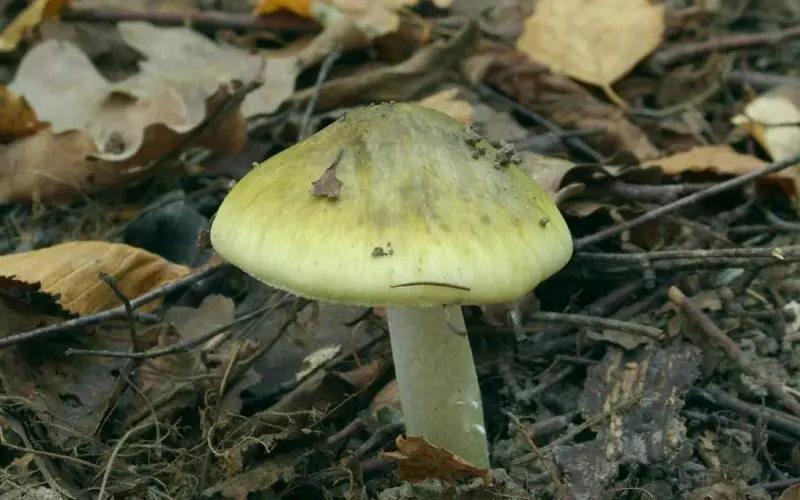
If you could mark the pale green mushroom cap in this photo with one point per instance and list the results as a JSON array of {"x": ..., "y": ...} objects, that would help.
[{"x": 421, "y": 218}]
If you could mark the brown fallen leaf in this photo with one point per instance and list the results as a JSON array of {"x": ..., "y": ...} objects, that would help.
[
  {"x": 548, "y": 172},
  {"x": 402, "y": 82},
  {"x": 418, "y": 460},
  {"x": 722, "y": 159},
  {"x": 102, "y": 134},
  {"x": 595, "y": 41},
  {"x": 36, "y": 12},
  {"x": 17, "y": 119},
  {"x": 171, "y": 379},
  {"x": 447, "y": 102},
  {"x": 570, "y": 105},
  {"x": 328, "y": 185},
  {"x": 69, "y": 272}
]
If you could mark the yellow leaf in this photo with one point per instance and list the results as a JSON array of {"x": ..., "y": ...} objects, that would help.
[
  {"x": 70, "y": 272},
  {"x": 446, "y": 102},
  {"x": 722, "y": 159},
  {"x": 595, "y": 41},
  {"x": 300, "y": 7},
  {"x": 17, "y": 119},
  {"x": 36, "y": 12}
]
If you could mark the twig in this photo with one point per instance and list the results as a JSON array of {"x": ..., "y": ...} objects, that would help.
[
  {"x": 763, "y": 252},
  {"x": 731, "y": 348},
  {"x": 688, "y": 200},
  {"x": 674, "y": 53},
  {"x": 718, "y": 397},
  {"x": 324, "y": 71},
  {"x": 177, "y": 347},
  {"x": 593, "y": 322},
  {"x": 111, "y": 314},
  {"x": 126, "y": 303},
  {"x": 202, "y": 19},
  {"x": 574, "y": 142},
  {"x": 111, "y": 459},
  {"x": 562, "y": 491}
]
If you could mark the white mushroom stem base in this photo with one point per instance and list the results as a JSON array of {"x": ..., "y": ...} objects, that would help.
[{"x": 436, "y": 377}]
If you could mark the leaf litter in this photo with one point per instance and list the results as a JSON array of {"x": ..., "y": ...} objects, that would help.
[{"x": 660, "y": 363}]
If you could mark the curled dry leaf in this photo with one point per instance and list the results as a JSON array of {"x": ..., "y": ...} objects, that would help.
[
  {"x": 103, "y": 134},
  {"x": 36, "y": 12},
  {"x": 403, "y": 82},
  {"x": 69, "y": 272},
  {"x": 418, "y": 460},
  {"x": 773, "y": 119},
  {"x": 548, "y": 172},
  {"x": 447, "y": 102},
  {"x": 596, "y": 41},
  {"x": 722, "y": 159}
]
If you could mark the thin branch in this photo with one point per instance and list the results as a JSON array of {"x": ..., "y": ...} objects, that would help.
[
  {"x": 763, "y": 252},
  {"x": 677, "y": 52},
  {"x": 324, "y": 71},
  {"x": 126, "y": 303},
  {"x": 202, "y": 19},
  {"x": 593, "y": 322},
  {"x": 683, "y": 202},
  {"x": 177, "y": 347},
  {"x": 731, "y": 348},
  {"x": 111, "y": 314}
]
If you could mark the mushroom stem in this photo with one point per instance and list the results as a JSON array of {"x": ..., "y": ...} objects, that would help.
[{"x": 438, "y": 384}]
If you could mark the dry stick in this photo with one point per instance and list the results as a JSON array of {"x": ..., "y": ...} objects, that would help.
[
  {"x": 591, "y": 321},
  {"x": 489, "y": 93},
  {"x": 675, "y": 53},
  {"x": 181, "y": 346},
  {"x": 126, "y": 303},
  {"x": 203, "y": 19},
  {"x": 762, "y": 252},
  {"x": 324, "y": 71},
  {"x": 693, "y": 198},
  {"x": 111, "y": 314},
  {"x": 734, "y": 352}
]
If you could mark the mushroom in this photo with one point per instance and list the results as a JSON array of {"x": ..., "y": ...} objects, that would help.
[{"x": 400, "y": 206}]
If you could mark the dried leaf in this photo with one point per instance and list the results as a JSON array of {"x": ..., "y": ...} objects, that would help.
[
  {"x": 773, "y": 119},
  {"x": 447, "y": 102},
  {"x": 722, "y": 159},
  {"x": 192, "y": 64},
  {"x": 102, "y": 134},
  {"x": 69, "y": 272},
  {"x": 791, "y": 493},
  {"x": 36, "y": 12},
  {"x": 17, "y": 119},
  {"x": 327, "y": 186},
  {"x": 595, "y": 41},
  {"x": 418, "y": 460},
  {"x": 548, "y": 172},
  {"x": 402, "y": 82}
]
